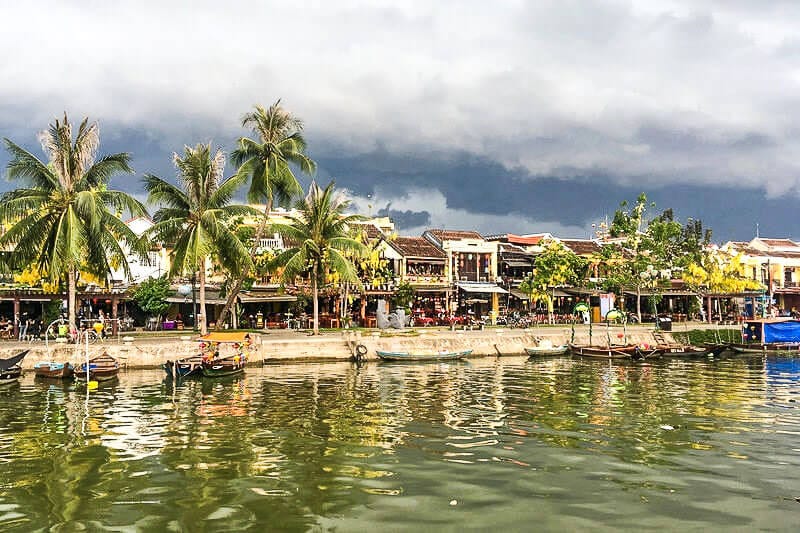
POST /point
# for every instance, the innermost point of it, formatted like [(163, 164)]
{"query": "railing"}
[(270, 244), (425, 279)]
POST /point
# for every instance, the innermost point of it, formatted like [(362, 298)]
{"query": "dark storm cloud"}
[(406, 219), (552, 110)]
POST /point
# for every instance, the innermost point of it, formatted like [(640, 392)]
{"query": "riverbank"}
[(146, 351)]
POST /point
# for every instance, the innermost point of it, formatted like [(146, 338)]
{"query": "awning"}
[(188, 300), (556, 293), (482, 287), (432, 288), (519, 294), (258, 298), (516, 263)]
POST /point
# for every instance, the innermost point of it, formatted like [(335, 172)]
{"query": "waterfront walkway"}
[(151, 349)]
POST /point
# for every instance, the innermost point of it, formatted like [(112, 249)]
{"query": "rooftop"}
[(453, 235), (416, 247)]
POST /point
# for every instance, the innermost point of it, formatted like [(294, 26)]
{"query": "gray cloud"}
[(586, 95)]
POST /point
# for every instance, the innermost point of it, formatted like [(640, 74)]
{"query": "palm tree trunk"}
[(316, 299), (72, 292), (233, 292), (202, 278)]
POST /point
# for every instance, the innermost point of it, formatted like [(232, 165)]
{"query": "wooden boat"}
[(544, 350), (10, 371), (716, 348), (683, 350), (184, 368), (101, 368), (224, 353), (10, 376), (779, 336), (623, 351), (423, 356), (770, 347), (53, 370)]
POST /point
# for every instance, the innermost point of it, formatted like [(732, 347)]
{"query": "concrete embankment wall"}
[(149, 352)]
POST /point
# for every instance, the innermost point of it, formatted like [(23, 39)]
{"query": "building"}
[(776, 264), (471, 267)]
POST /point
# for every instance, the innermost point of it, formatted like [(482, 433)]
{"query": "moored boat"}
[(423, 356), (10, 371), (224, 353), (546, 348), (625, 351), (184, 368), (101, 368), (53, 370), (10, 376), (769, 347), (683, 350), (780, 336), (716, 348)]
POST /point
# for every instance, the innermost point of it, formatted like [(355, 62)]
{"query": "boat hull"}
[(774, 348), (52, 370), (222, 368), (10, 376), (101, 368), (184, 368), (716, 348), (407, 356), (537, 351), (683, 350), (628, 351)]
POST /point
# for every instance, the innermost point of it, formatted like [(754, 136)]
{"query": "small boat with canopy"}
[(224, 353)]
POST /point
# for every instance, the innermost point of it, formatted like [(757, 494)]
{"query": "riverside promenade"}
[(145, 350)]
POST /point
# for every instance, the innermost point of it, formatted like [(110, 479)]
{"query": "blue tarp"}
[(782, 331)]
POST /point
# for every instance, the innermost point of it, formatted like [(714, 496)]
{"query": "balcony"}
[(427, 280)]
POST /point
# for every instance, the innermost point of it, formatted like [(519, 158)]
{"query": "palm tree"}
[(266, 164), (194, 219), (65, 218), (321, 229)]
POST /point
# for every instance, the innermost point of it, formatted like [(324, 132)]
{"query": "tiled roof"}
[(581, 246), (416, 247), (371, 231), (525, 240), (454, 235), (780, 243)]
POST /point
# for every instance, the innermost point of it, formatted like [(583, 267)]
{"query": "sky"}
[(504, 116)]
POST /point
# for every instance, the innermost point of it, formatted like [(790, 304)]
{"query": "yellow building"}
[(776, 264)]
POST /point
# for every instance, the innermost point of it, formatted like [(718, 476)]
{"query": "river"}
[(487, 444)]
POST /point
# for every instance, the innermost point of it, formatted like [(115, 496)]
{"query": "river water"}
[(488, 444)]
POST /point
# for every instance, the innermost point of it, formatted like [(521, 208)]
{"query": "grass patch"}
[(699, 336)]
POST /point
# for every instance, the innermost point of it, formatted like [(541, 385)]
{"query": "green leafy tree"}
[(194, 219), (718, 272), (151, 295), (64, 219), (266, 163), (555, 266), (325, 243)]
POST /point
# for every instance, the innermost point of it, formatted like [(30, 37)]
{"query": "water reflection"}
[(566, 442)]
